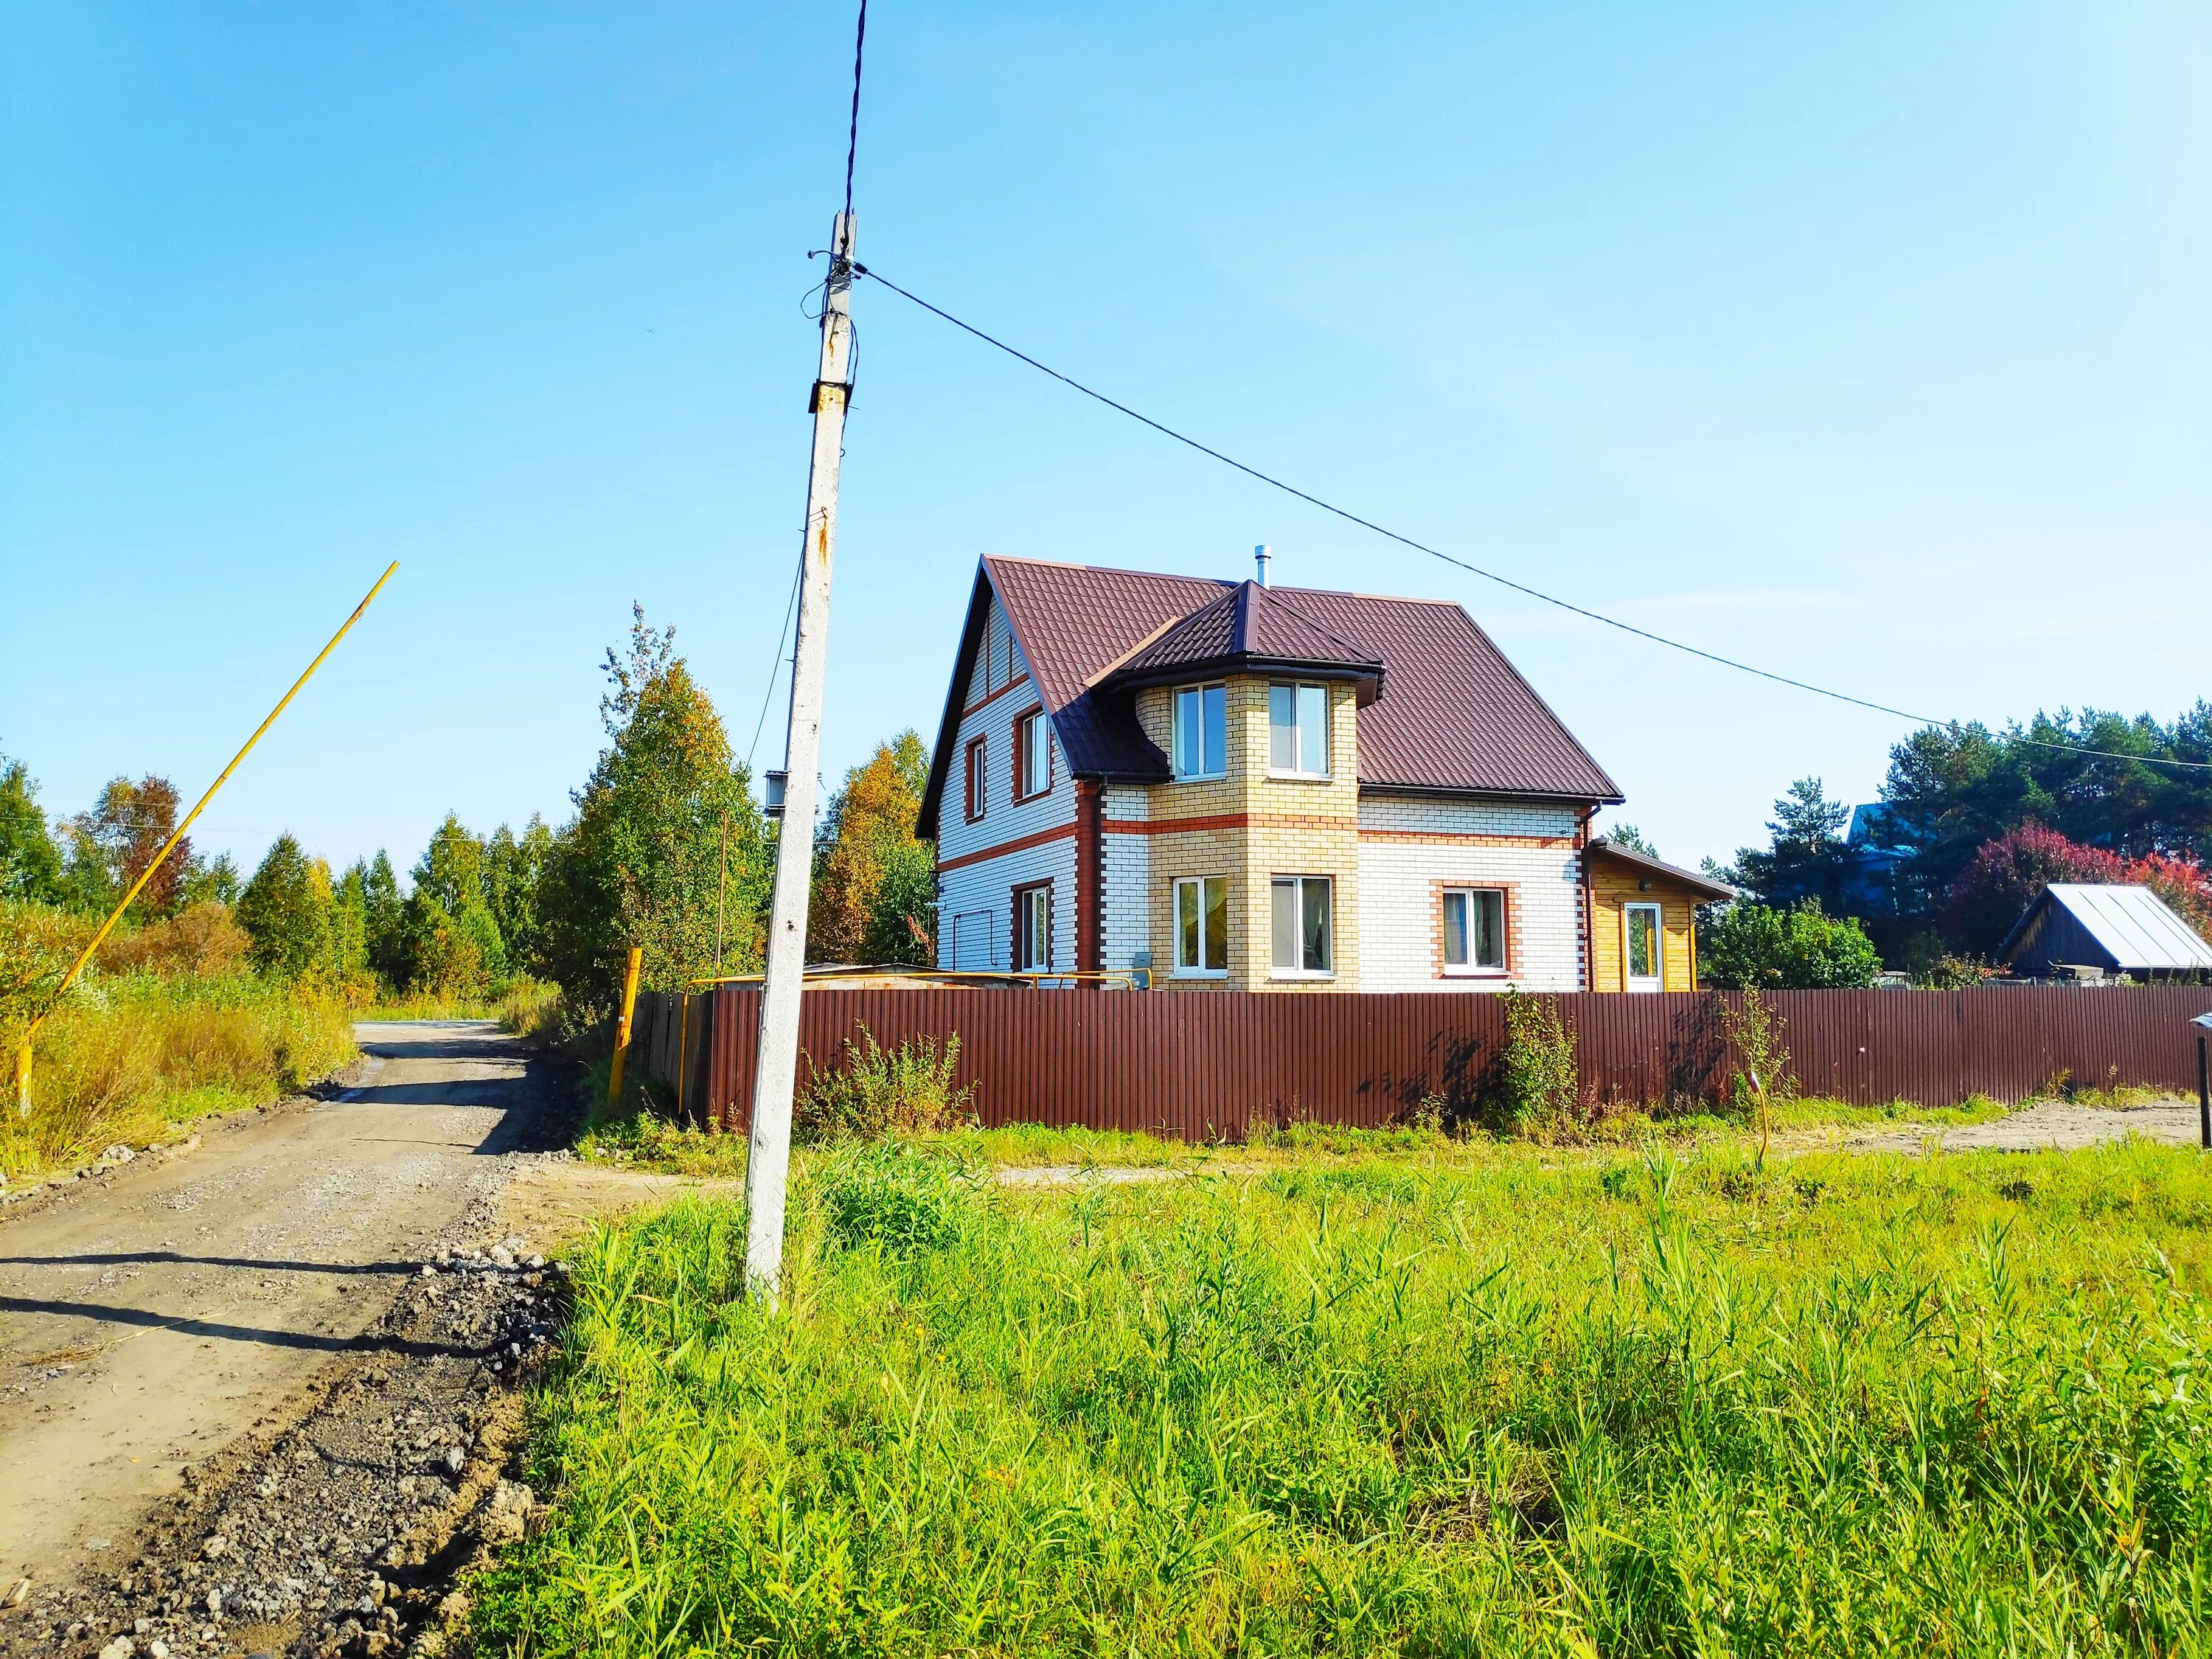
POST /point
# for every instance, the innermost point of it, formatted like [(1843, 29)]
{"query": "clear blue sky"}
[(1869, 341)]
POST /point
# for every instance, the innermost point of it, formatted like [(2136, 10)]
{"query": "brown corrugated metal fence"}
[(1200, 1066)]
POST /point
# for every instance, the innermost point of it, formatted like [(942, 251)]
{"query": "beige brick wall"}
[(1284, 826)]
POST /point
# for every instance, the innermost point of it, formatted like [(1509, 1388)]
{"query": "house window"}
[(1201, 732), (1033, 927), (1201, 927), (1474, 930), (1297, 731), (1032, 756), (976, 780), (1302, 928), (1642, 947)]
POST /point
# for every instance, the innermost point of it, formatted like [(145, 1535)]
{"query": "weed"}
[(878, 1091), (1539, 1081)]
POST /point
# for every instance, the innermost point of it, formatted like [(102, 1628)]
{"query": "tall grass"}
[(125, 1059), (1636, 1405)]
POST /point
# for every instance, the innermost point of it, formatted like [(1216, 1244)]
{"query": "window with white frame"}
[(1645, 962), (1303, 927), (1201, 730), (1032, 754), (1297, 731), (1201, 927), (1033, 927), (976, 797), (1474, 930)]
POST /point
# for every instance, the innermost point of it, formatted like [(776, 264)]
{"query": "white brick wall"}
[(1129, 865), (984, 889), (1397, 890)]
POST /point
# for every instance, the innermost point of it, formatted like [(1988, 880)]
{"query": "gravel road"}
[(164, 1320)]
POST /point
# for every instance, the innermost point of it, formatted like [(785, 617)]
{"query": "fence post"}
[(622, 1027), (2204, 1096)]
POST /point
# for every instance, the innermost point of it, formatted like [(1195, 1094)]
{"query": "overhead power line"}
[(1583, 612)]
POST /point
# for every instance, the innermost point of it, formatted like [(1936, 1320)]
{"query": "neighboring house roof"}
[(1249, 630), (1875, 826), (1453, 716), (1704, 886), (2131, 924)]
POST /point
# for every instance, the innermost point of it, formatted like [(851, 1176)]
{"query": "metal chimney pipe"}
[(1260, 556)]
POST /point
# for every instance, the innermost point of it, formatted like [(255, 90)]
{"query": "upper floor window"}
[(976, 779), (1474, 930), (1304, 925), (1201, 732), (1298, 729), (1032, 756)]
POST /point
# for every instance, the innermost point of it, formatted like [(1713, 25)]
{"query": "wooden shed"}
[(1643, 917)]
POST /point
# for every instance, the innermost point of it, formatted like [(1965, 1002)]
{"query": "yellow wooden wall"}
[(1611, 888)]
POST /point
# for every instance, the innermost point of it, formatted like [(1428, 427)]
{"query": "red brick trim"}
[(992, 696), (1022, 757), (1587, 899), (1224, 821), (1058, 832), (1454, 838), (1090, 878)]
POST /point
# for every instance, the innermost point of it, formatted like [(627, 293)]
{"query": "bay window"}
[(1201, 732), (1297, 731), (1201, 927)]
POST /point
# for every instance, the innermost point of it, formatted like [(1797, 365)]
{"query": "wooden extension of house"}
[(1209, 785)]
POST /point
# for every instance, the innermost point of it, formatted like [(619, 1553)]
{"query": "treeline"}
[(1970, 825), (665, 850)]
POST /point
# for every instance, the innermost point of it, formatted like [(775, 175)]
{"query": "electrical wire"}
[(775, 666), (860, 269), (853, 136)]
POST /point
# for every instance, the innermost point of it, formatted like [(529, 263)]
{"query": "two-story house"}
[(1226, 784)]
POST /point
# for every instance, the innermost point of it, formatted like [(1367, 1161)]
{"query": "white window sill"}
[(1301, 777), (1474, 973), (1200, 973), (1298, 973), (1199, 777)]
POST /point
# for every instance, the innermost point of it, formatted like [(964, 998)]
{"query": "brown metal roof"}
[(1644, 864), (1249, 629), (1453, 717)]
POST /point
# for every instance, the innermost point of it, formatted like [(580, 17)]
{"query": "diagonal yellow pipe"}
[(23, 1053)]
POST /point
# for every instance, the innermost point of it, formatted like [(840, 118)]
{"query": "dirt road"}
[(148, 1321)]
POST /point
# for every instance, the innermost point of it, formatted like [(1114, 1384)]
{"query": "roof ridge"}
[(1318, 626)]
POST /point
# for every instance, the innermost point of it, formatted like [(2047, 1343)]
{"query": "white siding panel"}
[(985, 891)]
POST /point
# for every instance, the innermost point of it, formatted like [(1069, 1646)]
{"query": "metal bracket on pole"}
[(767, 1164)]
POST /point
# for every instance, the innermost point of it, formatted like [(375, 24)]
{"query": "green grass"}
[(1467, 1400)]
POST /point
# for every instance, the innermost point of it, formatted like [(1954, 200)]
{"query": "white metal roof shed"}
[(2131, 927)]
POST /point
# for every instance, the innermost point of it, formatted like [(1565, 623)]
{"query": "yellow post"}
[(23, 1053), (622, 1026)]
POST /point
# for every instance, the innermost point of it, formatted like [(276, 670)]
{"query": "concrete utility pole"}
[(777, 1068)]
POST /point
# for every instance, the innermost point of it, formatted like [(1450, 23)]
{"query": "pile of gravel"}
[(343, 1535)]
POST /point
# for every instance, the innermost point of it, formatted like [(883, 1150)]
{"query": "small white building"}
[(1229, 785)]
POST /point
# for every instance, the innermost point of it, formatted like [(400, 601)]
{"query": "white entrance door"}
[(1645, 958)]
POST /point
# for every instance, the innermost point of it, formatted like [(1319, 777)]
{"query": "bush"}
[(1801, 949), (122, 1060), (201, 938), (908, 1090), (1539, 1080)]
